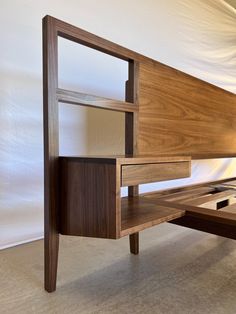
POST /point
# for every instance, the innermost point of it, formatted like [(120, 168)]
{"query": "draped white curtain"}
[(196, 36)]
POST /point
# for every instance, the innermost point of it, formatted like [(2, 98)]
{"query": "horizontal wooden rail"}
[(206, 199), (85, 38), (201, 212), (77, 98)]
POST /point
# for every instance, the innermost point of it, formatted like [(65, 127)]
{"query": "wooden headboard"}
[(167, 111), (182, 115)]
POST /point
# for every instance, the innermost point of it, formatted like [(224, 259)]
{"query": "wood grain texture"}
[(201, 212), (91, 205), (138, 213), (88, 39), (182, 115), (77, 98), (168, 113), (218, 216), (203, 224), (131, 131), (51, 152), (186, 195), (130, 160), (181, 190), (179, 114), (147, 173), (145, 159), (88, 194), (209, 199)]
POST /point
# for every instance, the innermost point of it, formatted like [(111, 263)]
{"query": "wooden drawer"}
[(147, 173)]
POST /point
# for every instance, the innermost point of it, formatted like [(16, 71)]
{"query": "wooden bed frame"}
[(170, 118)]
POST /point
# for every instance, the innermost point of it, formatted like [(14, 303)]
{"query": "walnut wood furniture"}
[(170, 118)]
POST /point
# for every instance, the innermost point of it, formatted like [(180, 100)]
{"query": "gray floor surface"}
[(178, 270)]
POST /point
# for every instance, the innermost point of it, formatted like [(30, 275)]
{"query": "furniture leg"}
[(51, 245), (134, 243)]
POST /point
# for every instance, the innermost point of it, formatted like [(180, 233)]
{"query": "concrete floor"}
[(178, 271)]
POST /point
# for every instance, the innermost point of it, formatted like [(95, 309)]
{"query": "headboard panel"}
[(167, 111), (182, 115)]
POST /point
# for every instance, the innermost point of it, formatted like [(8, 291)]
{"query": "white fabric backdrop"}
[(196, 36)]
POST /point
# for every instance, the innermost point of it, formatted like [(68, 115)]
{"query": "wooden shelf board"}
[(131, 159), (138, 213), (77, 98)]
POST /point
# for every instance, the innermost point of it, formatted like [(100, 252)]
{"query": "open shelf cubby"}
[(138, 213)]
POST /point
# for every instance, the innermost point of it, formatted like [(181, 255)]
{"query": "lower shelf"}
[(138, 213)]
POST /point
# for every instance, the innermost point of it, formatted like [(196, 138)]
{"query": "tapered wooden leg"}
[(51, 246), (134, 243), (51, 151)]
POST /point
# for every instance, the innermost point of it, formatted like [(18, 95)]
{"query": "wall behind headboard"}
[(197, 37)]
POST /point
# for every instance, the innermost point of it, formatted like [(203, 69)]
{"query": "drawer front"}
[(147, 173)]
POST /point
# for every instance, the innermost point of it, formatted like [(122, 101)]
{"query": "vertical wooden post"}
[(131, 125), (51, 152)]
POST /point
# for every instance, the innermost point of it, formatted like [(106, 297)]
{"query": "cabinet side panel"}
[(88, 199)]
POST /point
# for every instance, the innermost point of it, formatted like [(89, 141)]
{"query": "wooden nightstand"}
[(90, 198)]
